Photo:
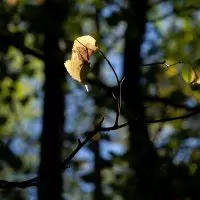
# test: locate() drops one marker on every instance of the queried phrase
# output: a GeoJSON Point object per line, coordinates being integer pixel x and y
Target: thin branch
{"type": "Point", "coordinates": [162, 63]}
{"type": "Point", "coordinates": [119, 101]}
{"type": "Point", "coordinates": [81, 144]}
{"type": "Point", "coordinates": [17, 40]}
{"type": "Point", "coordinates": [118, 81]}
{"type": "Point", "coordinates": [19, 184]}
{"type": "Point", "coordinates": [34, 181]}
{"type": "Point", "coordinates": [179, 62]}
{"type": "Point", "coordinates": [27, 50]}
{"type": "Point", "coordinates": [156, 63]}
{"type": "Point", "coordinates": [119, 86]}
{"type": "Point", "coordinates": [168, 101]}
{"type": "Point", "coordinates": [174, 118]}
{"type": "Point", "coordinates": [151, 121]}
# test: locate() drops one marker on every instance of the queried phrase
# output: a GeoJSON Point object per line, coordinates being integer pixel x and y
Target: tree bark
{"type": "Point", "coordinates": [142, 155]}
{"type": "Point", "coordinates": [50, 186]}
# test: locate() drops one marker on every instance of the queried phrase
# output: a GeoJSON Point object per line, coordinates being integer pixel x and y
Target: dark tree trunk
{"type": "Point", "coordinates": [50, 186]}
{"type": "Point", "coordinates": [142, 155]}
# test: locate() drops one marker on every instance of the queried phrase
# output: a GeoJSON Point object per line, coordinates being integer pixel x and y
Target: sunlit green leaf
{"type": "Point", "coordinates": [193, 167]}
{"type": "Point", "coordinates": [188, 74]}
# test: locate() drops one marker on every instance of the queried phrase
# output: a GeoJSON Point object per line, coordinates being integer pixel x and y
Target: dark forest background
{"type": "Point", "coordinates": [43, 111]}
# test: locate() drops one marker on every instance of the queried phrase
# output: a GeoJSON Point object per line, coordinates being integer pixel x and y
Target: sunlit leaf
{"type": "Point", "coordinates": [196, 68]}
{"type": "Point", "coordinates": [77, 69]}
{"type": "Point", "coordinates": [188, 74]}
{"type": "Point", "coordinates": [85, 47]}
{"type": "Point", "coordinates": [78, 66]}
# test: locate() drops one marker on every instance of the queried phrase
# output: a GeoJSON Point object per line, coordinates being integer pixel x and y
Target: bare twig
{"type": "Point", "coordinates": [168, 101]}
{"type": "Point", "coordinates": [81, 144]}
{"type": "Point", "coordinates": [19, 184]}
{"type": "Point", "coordinates": [27, 50]}
{"type": "Point", "coordinates": [118, 81]}
{"type": "Point", "coordinates": [156, 63]}
{"type": "Point", "coordinates": [118, 97]}
{"type": "Point", "coordinates": [34, 181]}
{"type": "Point", "coordinates": [151, 121]}
{"type": "Point", "coordinates": [119, 101]}
{"type": "Point", "coordinates": [162, 63]}
{"type": "Point", "coordinates": [14, 39]}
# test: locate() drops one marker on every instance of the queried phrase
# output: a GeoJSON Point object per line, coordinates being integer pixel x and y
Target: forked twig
{"type": "Point", "coordinates": [81, 144]}
{"type": "Point", "coordinates": [34, 181]}
{"type": "Point", "coordinates": [118, 98]}
{"type": "Point", "coordinates": [119, 101]}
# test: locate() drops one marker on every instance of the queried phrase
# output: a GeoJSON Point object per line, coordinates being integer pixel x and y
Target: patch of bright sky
{"type": "Point", "coordinates": [27, 150]}
{"type": "Point", "coordinates": [79, 105]}
{"type": "Point", "coordinates": [184, 152]}
{"type": "Point", "coordinates": [32, 193]}
{"type": "Point", "coordinates": [109, 9]}
{"type": "Point", "coordinates": [164, 135]}
{"type": "Point", "coordinates": [114, 41]}
{"type": "Point", "coordinates": [151, 38]}
{"type": "Point", "coordinates": [85, 187]}
{"type": "Point", "coordinates": [191, 143]}
{"type": "Point", "coordinates": [197, 14]}
{"type": "Point", "coordinates": [35, 128]}
{"type": "Point", "coordinates": [108, 148]}
{"type": "Point", "coordinates": [183, 155]}
{"type": "Point", "coordinates": [163, 9]}
{"type": "Point", "coordinates": [18, 146]}
{"type": "Point", "coordinates": [107, 74]}
{"type": "Point", "coordinates": [191, 102]}
{"type": "Point", "coordinates": [81, 155]}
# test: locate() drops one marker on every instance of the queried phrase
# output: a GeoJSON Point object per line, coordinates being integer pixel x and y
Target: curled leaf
{"type": "Point", "coordinates": [85, 46]}
{"type": "Point", "coordinates": [196, 69]}
{"type": "Point", "coordinates": [77, 69]}
{"type": "Point", "coordinates": [78, 66]}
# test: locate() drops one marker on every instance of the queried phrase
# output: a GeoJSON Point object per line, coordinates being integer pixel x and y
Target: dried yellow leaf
{"type": "Point", "coordinates": [77, 69]}
{"type": "Point", "coordinates": [78, 66]}
{"type": "Point", "coordinates": [85, 46]}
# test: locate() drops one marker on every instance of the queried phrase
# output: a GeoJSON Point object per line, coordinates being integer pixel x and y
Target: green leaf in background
{"type": "Point", "coordinates": [193, 167]}
{"type": "Point", "coordinates": [196, 68]}
{"type": "Point", "coordinates": [188, 74]}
